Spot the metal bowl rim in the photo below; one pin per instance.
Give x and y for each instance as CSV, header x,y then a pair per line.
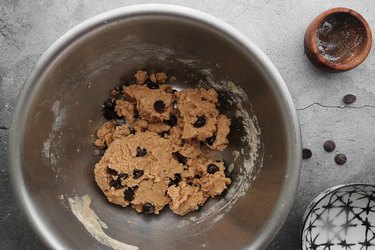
x,y
286,198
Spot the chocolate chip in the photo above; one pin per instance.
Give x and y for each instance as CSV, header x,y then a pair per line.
x,y
225,163
118,96
137,173
340,159
180,158
115,183
152,85
101,152
197,176
227,174
129,194
136,114
159,106
177,176
212,168
176,180
211,140
201,121
148,208
120,122
329,146
141,152
226,171
108,110
111,171
306,153
349,99
123,176
163,134
172,120
174,91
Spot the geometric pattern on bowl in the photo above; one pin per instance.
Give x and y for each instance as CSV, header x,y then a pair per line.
x,y
342,217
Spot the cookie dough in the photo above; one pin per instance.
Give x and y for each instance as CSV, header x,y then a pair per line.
x,y
158,146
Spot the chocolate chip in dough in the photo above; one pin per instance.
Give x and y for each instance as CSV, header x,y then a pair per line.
x,y
136,114
349,99
101,152
180,158
111,171
172,120
108,110
340,159
141,152
329,146
211,140
212,168
163,134
123,176
115,183
137,173
148,208
176,180
228,174
129,194
306,153
152,85
159,106
201,121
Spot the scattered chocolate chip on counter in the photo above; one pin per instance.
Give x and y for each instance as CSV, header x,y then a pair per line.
x,y
340,159
329,146
306,153
349,99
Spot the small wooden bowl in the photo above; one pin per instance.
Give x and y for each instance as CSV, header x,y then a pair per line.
x,y
339,39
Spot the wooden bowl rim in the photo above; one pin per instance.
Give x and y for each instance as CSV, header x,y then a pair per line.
x,y
339,66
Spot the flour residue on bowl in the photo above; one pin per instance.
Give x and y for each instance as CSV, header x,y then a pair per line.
x,y
250,140
49,153
80,207
59,116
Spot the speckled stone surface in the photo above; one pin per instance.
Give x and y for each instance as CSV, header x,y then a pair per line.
x,y
28,28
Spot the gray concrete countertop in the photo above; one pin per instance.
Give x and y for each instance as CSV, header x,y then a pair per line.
x,y
28,28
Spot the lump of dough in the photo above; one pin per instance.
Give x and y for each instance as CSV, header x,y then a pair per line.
x,y
160,155
146,99
194,105
185,198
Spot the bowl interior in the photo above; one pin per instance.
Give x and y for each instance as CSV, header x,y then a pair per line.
x,y
60,111
341,38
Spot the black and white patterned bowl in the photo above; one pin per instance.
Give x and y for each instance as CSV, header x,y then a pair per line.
x,y
342,217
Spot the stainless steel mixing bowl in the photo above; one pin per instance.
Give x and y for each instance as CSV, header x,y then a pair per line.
x,y
50,143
